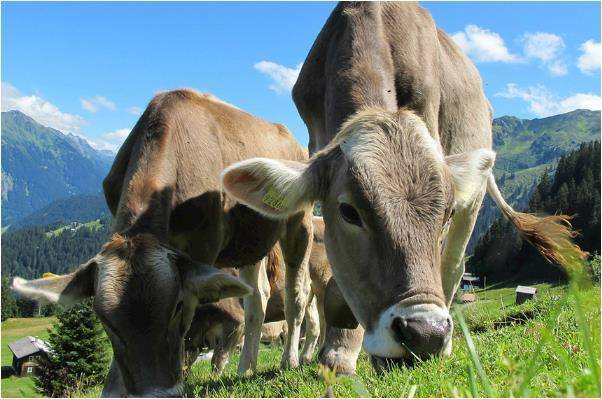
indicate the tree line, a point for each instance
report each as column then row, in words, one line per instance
column 30, row 252
column 574, row 189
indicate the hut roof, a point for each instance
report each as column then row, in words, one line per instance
column 27, row 346
column 526, row 290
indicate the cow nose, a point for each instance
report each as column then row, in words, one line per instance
column 424, row 337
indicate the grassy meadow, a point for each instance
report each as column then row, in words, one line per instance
column 546, row 347
column 543, row 347
column 13, row 329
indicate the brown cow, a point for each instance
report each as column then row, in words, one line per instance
column 400, row 131
column 165, row 192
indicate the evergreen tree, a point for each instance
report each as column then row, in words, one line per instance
column 78, row 353
column 574, row 190
column 9, row 304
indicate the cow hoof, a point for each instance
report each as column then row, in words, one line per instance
column 289, row 363
column 306, row 360
column 245, row 373
column 338, row 361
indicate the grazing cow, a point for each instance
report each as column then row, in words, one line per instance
column 400, row 132
column 164, row 190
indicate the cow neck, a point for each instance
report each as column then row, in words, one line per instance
column 362, row 68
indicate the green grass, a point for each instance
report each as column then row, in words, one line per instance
column 13, row 329
column 543, row 354
column 552, row 351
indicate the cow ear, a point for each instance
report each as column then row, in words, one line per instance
column 274, row 188
column 65, row 290
column 470, row 171
column 209, row 284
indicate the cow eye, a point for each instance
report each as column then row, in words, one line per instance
column 349, row 214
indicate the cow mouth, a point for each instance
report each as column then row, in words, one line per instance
column 383, row 364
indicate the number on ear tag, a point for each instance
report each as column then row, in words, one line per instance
column 274, row 199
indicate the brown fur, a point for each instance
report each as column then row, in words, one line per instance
column 227, row 315
column 378, row 76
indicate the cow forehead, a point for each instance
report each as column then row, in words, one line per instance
column 394, row 160
column 378, row 133
column 144, row 277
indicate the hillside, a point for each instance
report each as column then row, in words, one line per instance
column 78, row 208
column 40, row 165
column 574, row 189
column 57, row 249
column 525, row 148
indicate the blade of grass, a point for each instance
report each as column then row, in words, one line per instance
column 585, row 336
column 472, row 379
column 531, row 367
column 474, row 356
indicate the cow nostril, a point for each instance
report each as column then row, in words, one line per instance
column 402, row 333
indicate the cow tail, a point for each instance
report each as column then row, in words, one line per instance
column 552, row 236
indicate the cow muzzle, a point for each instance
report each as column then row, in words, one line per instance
column 411, row 332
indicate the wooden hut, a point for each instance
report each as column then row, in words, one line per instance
column 470, row 282
column 27, row 355
column 524, row 293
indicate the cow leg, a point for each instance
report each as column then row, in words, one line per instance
column 114, row 386
column 296, row 248
column 452, row 267
column 322, row 319
column 254, row 307
column 312, row 330
column 221, row 353
column 341, row 348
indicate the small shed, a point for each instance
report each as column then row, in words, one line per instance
column 525, row 293
column 469, row 298
column 470, row 281
column 28, row 352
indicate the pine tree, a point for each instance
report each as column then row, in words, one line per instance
column 9, row 304
column 78, row 353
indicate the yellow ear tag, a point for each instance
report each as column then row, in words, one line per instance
column 274, row 199
column 49, row 275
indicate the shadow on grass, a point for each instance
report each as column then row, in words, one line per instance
column 215, row 383
column 7, row 371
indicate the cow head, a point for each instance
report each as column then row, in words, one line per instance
column 145, row 295
column 388, row 195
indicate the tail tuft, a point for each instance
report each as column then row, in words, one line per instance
column 552, row 236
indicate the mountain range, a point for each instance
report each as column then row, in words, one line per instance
column 49, row 177
column 41, row 165
column 524, row 149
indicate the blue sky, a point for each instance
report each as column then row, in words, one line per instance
column 91, row 68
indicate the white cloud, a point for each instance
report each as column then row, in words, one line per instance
column 483, row 45
column 113, row 140
column 557, row 68
column 103, row 145
column 93, row 104
column 589, row 61
column 548, row 48
column 135, row 110
column 118, row 135
column 42, row 111
column 543, row 103
column 284, row 78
